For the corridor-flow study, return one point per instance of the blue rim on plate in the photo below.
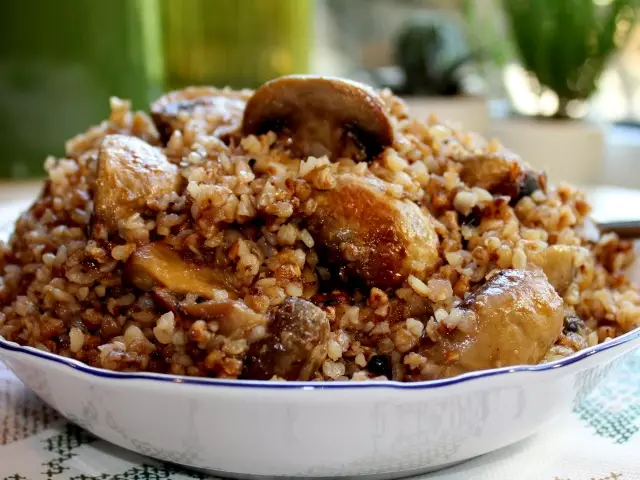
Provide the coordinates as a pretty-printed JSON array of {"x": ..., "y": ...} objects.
[{"x": 179, "y": 379}]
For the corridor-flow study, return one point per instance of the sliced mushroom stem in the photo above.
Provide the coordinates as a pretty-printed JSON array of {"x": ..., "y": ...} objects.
[
  {"x": 233, "y": 316},
  {"x": 157, "y": 265}
]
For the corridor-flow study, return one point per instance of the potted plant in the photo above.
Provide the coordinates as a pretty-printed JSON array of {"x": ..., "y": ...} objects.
[
  {"x": 430, "y": 56},
  {"x": 564, "y": 47}
]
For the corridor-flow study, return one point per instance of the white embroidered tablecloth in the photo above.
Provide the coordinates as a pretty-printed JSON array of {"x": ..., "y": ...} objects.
[{"x": 600, "y": 440}]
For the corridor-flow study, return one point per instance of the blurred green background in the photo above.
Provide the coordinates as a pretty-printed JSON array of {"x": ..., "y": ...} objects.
[
  {"x": 59, "y": 63},
  {"x": 61, "y": 60}
]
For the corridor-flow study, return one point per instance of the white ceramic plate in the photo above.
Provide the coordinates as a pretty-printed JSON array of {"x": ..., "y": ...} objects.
[
  {"x": 245, "y": 429},
  {"x": 248, "y": 428}
]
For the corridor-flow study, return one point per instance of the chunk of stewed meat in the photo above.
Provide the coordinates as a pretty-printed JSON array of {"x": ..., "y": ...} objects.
[
  {"x": 218, "y": 112},
  {"x": 501, "y": 173},
  {"x": 380, "y": 239},
  {"x": 130, "y": 173},
  {"x": 515, "y": 319},
  {"x": 295, "y": 345}
]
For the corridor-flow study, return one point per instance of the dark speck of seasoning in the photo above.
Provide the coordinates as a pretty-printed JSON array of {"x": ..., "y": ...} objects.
[
  {"x": 573, "y": 324},
  {"x": 252, "y": 162},
  {"x": 332, "y": 302},
  {"x": 380, "y": 365},
  {"x": 471, "y": 220},
  {"x": 90, "y": 263},
  {"x": 343, "y": 274}
]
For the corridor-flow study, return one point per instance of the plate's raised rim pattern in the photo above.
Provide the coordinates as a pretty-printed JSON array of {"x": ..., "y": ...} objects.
[{"x": 178, "y": 379}]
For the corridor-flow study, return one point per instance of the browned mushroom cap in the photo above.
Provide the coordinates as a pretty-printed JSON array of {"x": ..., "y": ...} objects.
[
  {"x": 130, "y": 173},
  {"x": 215, "y": 110},
  {"x": 321, "y": 116},
  {"x": 157, "y": 265},
  {"x": 295, "y": 345},
  {"x": 381, "y": 239}
]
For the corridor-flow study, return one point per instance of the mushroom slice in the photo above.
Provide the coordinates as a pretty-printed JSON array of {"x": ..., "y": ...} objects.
[
  {"x": 233, "y": 316},
  {"x": 558, "y": 262},
  {"x": 157, "y": 265},
  {"x": 320, "y": 116},
  {"x": 381, "y": 239},
  {"x": 513, "y": 319},
  {"x": 295, "y": 345},
  {"x": 216, "y": 110},
  {"x": 500, "y": 173},
  {"x": 130, "y": 172}
]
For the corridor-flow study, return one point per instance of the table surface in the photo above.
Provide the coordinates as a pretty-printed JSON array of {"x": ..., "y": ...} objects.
[{"x": 600, "y": 440}]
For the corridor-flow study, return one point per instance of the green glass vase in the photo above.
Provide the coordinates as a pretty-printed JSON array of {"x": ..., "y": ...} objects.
[
  {"x": 236, "y": 43},
  {"x": 60, "y": 61}
]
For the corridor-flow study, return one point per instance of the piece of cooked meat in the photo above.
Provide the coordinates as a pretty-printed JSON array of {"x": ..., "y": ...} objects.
[
  {"x": 518, "y": 317},
  {"x": 381, "y": 239},
  {"x": 320, "y": 116},
  {"x": 295, "y": 345},
  {"x": 157, "y": 265},
  {"x": 501, "y": 173},
  {"x": 558, "y": 264},
  {"x": 130, "y": 173},
  {"x": 220, "y": 111}
]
